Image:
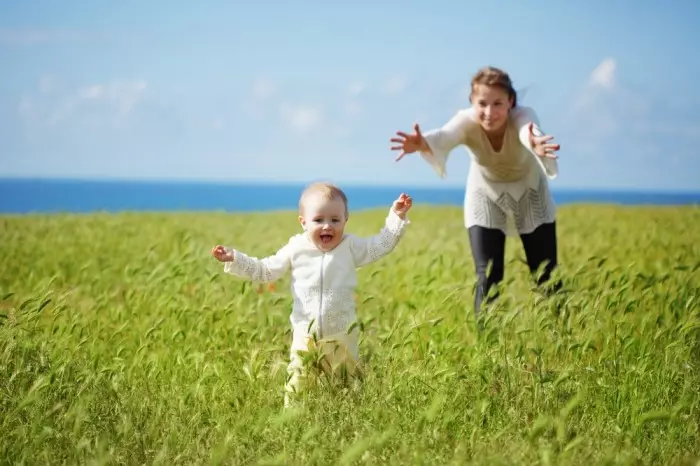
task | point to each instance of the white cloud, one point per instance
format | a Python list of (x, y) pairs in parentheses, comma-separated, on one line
[(256, 104), (395, 85), (606, 115), (264, 88), (600, 82), (345, 99), (593, 115), (302, 118), (111, 101), (119, 96), (350, 101), (91, 92), (604, 74), (356, 88), (125, 95)]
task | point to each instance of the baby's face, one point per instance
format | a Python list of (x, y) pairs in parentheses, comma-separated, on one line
[(324, 221)]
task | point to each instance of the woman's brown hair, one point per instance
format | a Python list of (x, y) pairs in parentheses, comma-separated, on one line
[(492, 76)]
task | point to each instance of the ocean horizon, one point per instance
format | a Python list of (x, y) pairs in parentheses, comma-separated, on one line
[(55, 195)]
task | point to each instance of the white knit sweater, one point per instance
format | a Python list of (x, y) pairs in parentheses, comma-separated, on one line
[(322, 283), (512, 182)]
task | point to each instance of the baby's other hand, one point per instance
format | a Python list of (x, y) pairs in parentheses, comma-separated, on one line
[(402, 205), (222, 254)]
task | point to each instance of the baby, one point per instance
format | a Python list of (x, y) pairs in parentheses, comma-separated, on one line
[(323, 261)]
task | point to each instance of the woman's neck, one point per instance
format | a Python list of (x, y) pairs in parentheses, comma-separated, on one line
[(496, 137)]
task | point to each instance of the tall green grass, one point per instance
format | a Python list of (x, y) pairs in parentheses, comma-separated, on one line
[(122, 342)]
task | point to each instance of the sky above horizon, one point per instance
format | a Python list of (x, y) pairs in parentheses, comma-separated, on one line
[(273, 91)]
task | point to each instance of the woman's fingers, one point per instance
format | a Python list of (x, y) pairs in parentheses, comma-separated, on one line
[(542, 139), (538, 142), (406, 143)]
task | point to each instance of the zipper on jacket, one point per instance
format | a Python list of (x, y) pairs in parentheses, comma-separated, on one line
[(320, 301)]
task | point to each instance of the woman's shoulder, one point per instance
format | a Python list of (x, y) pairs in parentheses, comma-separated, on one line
[(523, 114), (463, 120), (467, 114)]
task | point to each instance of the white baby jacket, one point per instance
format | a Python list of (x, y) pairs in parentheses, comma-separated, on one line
[(322, 283)]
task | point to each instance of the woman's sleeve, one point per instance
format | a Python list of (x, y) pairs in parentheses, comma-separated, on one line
[(442, 140), (522, 117)]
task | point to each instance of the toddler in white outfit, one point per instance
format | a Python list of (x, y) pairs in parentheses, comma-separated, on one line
[(323, 261)]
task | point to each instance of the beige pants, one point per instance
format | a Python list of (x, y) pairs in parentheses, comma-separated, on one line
[(335, 357)]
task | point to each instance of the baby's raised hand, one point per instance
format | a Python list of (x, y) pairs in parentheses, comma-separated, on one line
[(222, 254), (402, 205)]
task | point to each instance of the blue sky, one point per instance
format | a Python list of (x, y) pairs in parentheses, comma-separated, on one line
[(284, 91)]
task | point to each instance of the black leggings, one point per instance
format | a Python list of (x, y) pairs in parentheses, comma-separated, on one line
[(488, 249)]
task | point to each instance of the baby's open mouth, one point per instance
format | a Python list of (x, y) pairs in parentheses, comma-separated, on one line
[(326, 238)]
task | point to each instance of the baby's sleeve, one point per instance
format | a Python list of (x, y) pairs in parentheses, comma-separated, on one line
[(267, 269), (371, 249)]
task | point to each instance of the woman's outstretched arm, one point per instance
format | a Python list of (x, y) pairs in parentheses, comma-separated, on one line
[(528, 123), (435, 145)]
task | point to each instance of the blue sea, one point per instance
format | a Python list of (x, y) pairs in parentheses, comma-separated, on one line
[(21, 196)]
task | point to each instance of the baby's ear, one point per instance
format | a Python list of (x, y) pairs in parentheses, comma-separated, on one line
[(302, 222)]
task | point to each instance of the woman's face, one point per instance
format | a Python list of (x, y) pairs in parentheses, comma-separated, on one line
[(492, 105)]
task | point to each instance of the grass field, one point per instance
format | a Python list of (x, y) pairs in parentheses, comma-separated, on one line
[(122, 342)]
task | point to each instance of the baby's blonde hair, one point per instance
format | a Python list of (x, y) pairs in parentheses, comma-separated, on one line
[(327, 191)]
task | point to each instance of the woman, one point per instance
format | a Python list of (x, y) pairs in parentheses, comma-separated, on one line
[(511, 162)]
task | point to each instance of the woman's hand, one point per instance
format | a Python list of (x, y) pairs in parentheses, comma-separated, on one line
[(539, 145), (410, 143)]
